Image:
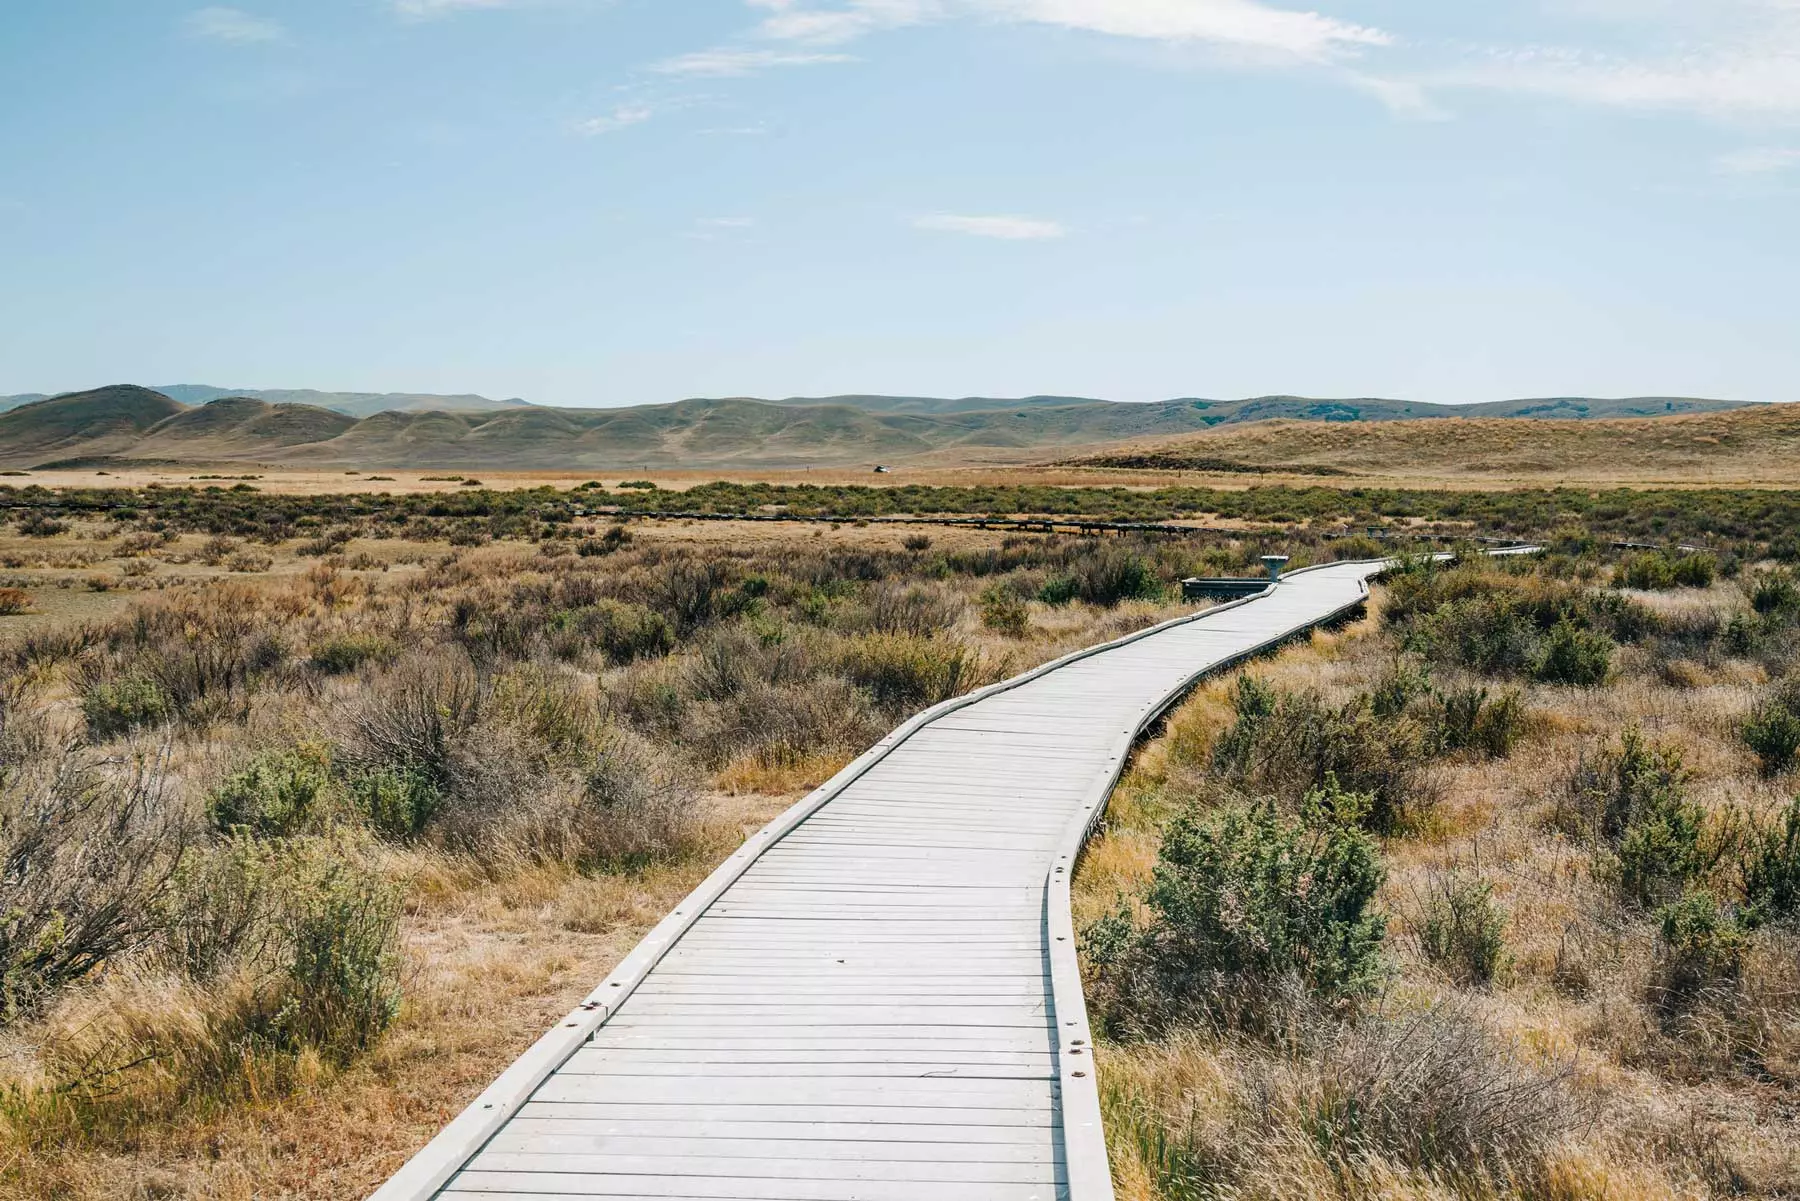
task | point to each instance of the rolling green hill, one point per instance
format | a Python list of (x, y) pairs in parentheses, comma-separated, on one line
[(127, 422)]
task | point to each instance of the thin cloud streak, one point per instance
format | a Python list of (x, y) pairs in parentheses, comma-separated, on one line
[(623, 117), (1008, 229), (234, 25), (726, 62), (1244, 24), (424, 10), (1759, 160)]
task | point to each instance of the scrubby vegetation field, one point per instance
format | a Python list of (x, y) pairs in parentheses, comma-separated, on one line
[(1493, 894), (304, 835), (315, 810)]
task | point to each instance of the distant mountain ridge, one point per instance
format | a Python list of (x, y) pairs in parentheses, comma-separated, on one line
[(356, 404), (130, 422)]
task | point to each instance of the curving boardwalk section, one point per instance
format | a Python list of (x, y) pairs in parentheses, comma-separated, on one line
[(876, 999)]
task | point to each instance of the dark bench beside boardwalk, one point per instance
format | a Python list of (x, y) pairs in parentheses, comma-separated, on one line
[(876, 999)]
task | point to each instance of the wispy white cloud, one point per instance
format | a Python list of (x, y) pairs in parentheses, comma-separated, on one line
[(729, 61), (1732, 59), (622, 117), (420, 10), (713, 229), (1729, 59), (234, 25), (1401, 97), (1759, 160), (1243, 24), (1010, 229)]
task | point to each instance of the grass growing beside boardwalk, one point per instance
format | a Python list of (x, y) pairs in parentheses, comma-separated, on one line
[(1560, 961), (298, 856)]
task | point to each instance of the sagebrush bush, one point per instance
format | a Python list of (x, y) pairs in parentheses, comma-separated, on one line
[(1470, 719), (413, 718), (1291, 743), (1462, 930), (1004, 611), (398, 801), (342, 985), (1770, 868), (220, 910), (1112, 575), (904, 673), (1481, 618), (1655, 570), (915, 610), (1573, 655), (14, 601), (344, 653), (1634, 801), (1772, 730), (1700, 954), (638, 804), (1241, 902), (89, 848), (276, 794), (1776, 593), (624, 631), (115, 707)]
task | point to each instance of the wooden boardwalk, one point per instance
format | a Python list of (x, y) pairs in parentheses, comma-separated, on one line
[(877, 998)]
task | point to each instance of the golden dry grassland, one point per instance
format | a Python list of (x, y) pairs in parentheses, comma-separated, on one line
[(303, 848), (1560, 1010)]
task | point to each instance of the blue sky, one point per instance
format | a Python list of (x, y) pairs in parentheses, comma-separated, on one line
[(625, 201)]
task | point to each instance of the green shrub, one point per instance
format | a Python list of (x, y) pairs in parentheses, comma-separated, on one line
[(221, 909), (616, 536), (1292, 743), (1481, 634), (276, 795), (1696, 571), (1662, 852), (1059, 590), (1658, 570), (1243, 902), (115, 707), (1771, 870), (1773, 729), (1573, 655), (903, 673), (1634, 802), (1700, 954), (399, 802), (917, 610), (1462, 929), (1406, 683), (1776, 593), (1003, 611), (627, 632), (1112, 575), (347, 652), (1468, 719), (342, 990)]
